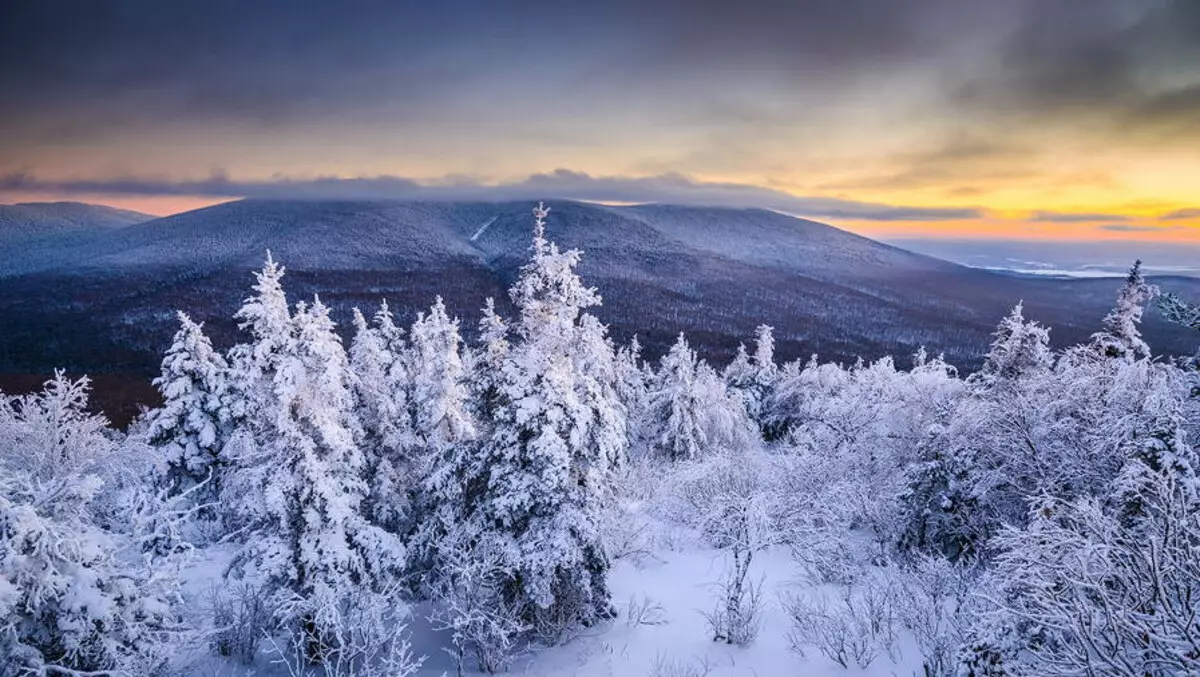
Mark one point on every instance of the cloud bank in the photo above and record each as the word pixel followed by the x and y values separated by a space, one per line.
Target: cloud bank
pixel 559 184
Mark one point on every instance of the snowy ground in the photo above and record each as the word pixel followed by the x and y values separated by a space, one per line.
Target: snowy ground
pixel 675 644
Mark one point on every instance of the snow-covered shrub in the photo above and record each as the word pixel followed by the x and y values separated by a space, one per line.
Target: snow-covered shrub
pixel 1028 430
pixel 645 611
pixel 469 601
pixel 853 434
pixel 241 617
pixel 852 628
pixel 736 617
pixel 729 500
pixel 665 666
pixel 1090 590
pixel 355 633
pixel 935 605
pixel 88 573
pixel 630 528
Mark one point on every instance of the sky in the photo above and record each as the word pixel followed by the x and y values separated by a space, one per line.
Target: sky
pixel 1035 119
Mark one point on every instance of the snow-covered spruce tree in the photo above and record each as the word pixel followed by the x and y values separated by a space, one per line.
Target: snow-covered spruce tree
pixel 79 591
pixel 633 389
pixel 192 425
pixel 1020 349
pixel 440 395
pixel 1121 337
pixel 378 380
pixel 253 365
pixel 489 362
pixel 691 412
pixel 379 383
pixel 753 376
pixel 536 488
pixel 297 482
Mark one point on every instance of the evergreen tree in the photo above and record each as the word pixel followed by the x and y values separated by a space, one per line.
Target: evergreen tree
pixel 739 373
pixel 298 473
pixel 1121 337
pixel 633 390
pixel 440 397
pixel 753 376
pixel 1020 349
pixel 691 411
pixel 535 489
pixel 192 425
pixel 379 384
pixel 252 365
pixel 764 353
pixel 489 361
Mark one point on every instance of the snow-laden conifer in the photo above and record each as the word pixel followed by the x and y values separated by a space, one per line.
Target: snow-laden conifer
pixel 82 591
pixel 1021 348
pixel 1121 336
pixel 535 490
pixel 298 486
pixel 192 425
pixel 440 395
pixel 691 411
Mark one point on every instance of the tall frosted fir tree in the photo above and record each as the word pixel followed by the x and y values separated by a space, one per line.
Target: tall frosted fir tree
pixel 489 361
pixel 298 472
pixel 440 397
pixel 379 382
pixel 690 411
pixel 1121 337
pixel 266 316
pixel 191 426
pixel 535 490
pixel 753 376
pixel 378 379
pixel 633 380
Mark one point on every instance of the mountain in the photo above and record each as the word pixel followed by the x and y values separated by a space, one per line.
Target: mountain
pixel 22 225
pixel 107 304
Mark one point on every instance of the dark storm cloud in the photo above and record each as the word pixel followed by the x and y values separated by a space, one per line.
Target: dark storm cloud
pixel 261 61
pixel 1130 62
pixel 274 59
pixel 564 184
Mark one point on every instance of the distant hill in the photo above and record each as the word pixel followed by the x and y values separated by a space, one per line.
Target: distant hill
pixel 106 303
pixel 29 222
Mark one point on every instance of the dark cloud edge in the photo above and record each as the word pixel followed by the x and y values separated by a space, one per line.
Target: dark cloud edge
pixel 559 184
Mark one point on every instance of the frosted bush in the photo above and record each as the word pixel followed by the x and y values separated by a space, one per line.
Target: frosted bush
pixel 850 629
